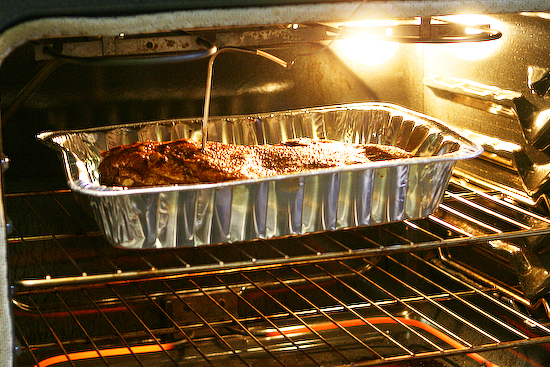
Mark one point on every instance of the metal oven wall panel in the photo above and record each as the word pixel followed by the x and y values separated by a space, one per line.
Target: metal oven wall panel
pixel 27 20
pixel 500 66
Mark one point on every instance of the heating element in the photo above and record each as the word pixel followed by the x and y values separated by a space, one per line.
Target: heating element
pixel 366 296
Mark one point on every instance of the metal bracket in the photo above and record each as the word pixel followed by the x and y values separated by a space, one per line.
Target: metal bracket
pixel 121 46
pixel 538 80
pixel 124 46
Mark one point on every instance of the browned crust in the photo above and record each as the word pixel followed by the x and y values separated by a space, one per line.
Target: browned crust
pixel 183 162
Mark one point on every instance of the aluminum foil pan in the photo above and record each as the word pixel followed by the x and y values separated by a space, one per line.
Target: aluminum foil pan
pixel 321 200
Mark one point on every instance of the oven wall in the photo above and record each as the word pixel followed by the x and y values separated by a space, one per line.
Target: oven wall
pixel 502 66
pixel 82 96
pixel 496 75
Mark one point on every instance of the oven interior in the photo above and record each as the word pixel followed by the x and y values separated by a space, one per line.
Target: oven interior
pixel 466 286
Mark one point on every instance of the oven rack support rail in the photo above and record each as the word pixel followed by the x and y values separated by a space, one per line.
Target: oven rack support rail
pixel 44 255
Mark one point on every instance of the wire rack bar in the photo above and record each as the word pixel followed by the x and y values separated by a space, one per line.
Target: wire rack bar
pixel 329 314
pixel 463 300
pixel 412 308
pixel 118 265
pixel 485 295
pixel 267 319
pixel 363 319
pixel 112 327
pixel 501 287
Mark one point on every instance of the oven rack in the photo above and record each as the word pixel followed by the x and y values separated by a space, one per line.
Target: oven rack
pixel 369 296
pixel 53 242
pixel 351 312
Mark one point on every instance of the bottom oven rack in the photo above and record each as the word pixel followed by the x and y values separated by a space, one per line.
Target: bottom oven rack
pixel 358 312
pixel 379 295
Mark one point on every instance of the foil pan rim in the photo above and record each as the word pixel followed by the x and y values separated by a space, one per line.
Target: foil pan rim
pixel 467 149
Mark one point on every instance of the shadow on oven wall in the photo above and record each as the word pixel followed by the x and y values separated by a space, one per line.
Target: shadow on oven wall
pixel 76 96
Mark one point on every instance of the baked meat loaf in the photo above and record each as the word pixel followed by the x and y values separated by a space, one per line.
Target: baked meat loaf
pixel 183 162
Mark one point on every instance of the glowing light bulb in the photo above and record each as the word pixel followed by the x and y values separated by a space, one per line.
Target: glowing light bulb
pixel 367 49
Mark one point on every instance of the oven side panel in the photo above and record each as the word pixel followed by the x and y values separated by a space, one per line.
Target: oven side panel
pixel 95 96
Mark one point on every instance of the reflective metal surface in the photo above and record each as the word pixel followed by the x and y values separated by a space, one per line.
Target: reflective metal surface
pixel 270 301
pixel 328 199
pixel 528 160
pixel 506 106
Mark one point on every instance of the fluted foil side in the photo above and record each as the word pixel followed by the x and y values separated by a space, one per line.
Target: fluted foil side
pixel 328 199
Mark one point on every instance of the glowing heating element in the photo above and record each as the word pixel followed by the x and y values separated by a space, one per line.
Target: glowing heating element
pixel 286 331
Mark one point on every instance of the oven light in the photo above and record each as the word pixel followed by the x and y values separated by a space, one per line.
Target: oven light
pixel 368 49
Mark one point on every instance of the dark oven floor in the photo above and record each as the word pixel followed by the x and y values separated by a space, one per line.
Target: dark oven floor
pixel 429 292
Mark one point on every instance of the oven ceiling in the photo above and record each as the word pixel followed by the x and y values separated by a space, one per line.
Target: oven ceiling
pixel 13 12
